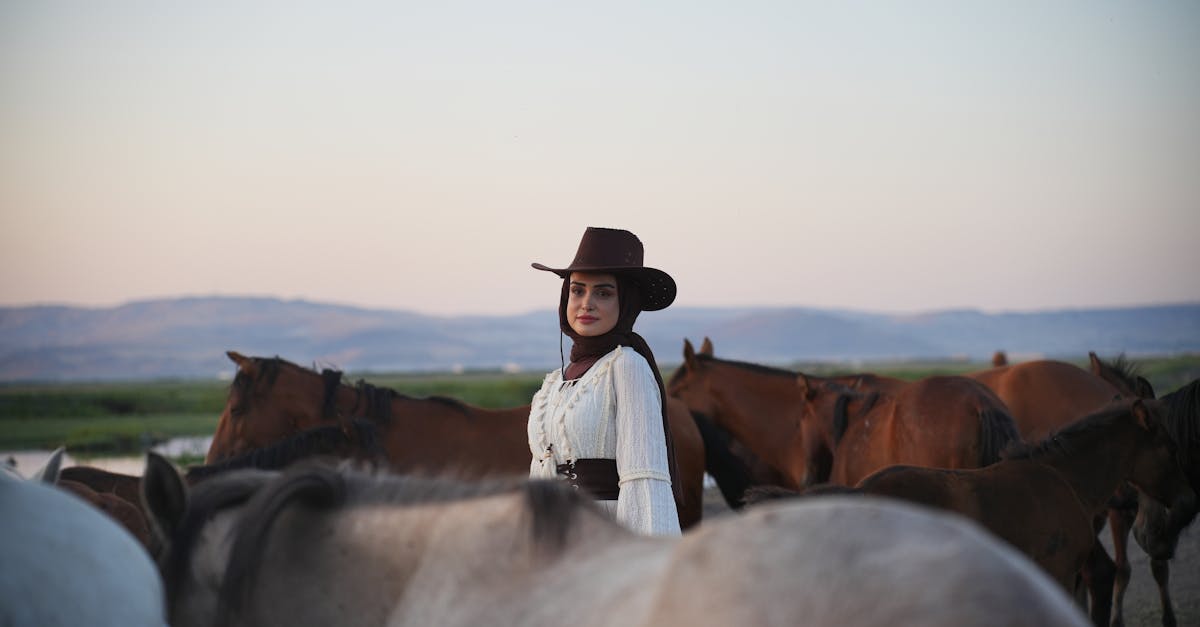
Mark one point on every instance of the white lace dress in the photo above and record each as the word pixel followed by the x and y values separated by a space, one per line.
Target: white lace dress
pixel 613 411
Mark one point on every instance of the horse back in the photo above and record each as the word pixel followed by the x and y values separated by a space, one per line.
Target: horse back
pixel 1046 395
pixel 941 421
pixel 440 436
pixel 125 513
pixel 1027 504
pixel 127 487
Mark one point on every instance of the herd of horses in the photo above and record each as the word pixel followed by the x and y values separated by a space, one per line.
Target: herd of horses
pixel 861 500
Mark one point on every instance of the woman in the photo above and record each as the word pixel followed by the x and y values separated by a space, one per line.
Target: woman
pixel 600 423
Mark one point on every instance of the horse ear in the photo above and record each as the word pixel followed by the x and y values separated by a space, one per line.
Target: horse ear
pixel 164 496
pixel 689 354
pixel 1143 388
pixel 244 364
pixel 804 384
pixel 1097 367
pixel 1141 414
pixel 49 472
pixel 706 347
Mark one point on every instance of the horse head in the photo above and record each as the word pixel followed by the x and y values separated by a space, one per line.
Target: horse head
pixel 269 399
pixel 1153 529
pixel 1121 374
pixel 1156 471
pixel 691 382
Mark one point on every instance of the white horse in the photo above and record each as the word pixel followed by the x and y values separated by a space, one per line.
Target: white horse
pixel 325 546
pixel 66 563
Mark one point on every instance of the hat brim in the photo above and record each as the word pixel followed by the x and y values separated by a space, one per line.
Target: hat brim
pixel 657 287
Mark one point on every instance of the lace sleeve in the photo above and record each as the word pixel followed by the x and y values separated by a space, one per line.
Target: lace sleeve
pixel 646 503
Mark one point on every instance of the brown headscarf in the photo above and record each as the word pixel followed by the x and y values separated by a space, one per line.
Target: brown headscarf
pixel 586 350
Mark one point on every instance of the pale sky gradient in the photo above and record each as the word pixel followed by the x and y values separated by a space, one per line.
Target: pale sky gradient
pixel 1020 155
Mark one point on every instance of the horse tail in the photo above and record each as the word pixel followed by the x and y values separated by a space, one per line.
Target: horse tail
pixel 996 430
pixel 315 486
pixel 733 477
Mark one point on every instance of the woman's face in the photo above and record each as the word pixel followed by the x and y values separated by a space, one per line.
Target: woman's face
pixel 592 305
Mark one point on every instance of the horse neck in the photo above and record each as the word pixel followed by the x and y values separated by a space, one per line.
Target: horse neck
pixel 1095 463
pixel 761 410
pixel 844 407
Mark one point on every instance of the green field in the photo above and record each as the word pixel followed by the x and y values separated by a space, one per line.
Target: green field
pixel 127 417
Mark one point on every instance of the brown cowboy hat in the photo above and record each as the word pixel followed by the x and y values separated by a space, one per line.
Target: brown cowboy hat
pixel 617 251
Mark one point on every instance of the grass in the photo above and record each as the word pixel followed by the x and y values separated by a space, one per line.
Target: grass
pixel 128 417
pixel 101 434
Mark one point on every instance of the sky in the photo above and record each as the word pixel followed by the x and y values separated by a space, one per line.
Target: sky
pixel 888 157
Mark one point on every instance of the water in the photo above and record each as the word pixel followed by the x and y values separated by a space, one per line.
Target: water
pixel 29 461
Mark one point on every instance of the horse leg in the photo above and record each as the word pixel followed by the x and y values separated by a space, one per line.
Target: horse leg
pixel 1099 574
pixel 1162 575
pixel 1120 521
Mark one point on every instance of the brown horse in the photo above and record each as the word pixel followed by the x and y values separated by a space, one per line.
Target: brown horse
pixel 271 398
pixel 356 439
pixel 322 546
pixel 1046 395
pixel 937 422
pixel 128 487
pixel 119 495
pixel 1042 498
pixel 1122 374
pixel 801 425
pixel 127 514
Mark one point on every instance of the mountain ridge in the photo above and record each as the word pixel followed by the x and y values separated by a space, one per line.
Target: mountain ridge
pixel 187 337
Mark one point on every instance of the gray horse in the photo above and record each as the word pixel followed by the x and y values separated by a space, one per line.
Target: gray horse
pixel 332 546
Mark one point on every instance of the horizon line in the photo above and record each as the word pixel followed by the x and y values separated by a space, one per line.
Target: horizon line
pixel 392 309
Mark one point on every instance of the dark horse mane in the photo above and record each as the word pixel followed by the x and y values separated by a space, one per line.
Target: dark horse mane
pixel 359 435
pixel 372 402
pixel 550 508
pixel 752 367
pixel 1182 420
pixel 730 473
pixel 1122 371
pixel 744 365
pixel 1063 440
pixel 841 416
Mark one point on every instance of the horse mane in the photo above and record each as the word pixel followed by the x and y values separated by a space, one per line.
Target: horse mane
pixel 731 474
pixel 205 500
pixel 1182 421
pixel 243 384
pixel 330 379
pixel 745 365
pixel 550 511
pixel 1061 441
pixel 841 416
pixel 1120 371
pixel 322 440
pixel 378 399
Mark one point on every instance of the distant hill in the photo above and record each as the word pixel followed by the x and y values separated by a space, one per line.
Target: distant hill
pixel 187 337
